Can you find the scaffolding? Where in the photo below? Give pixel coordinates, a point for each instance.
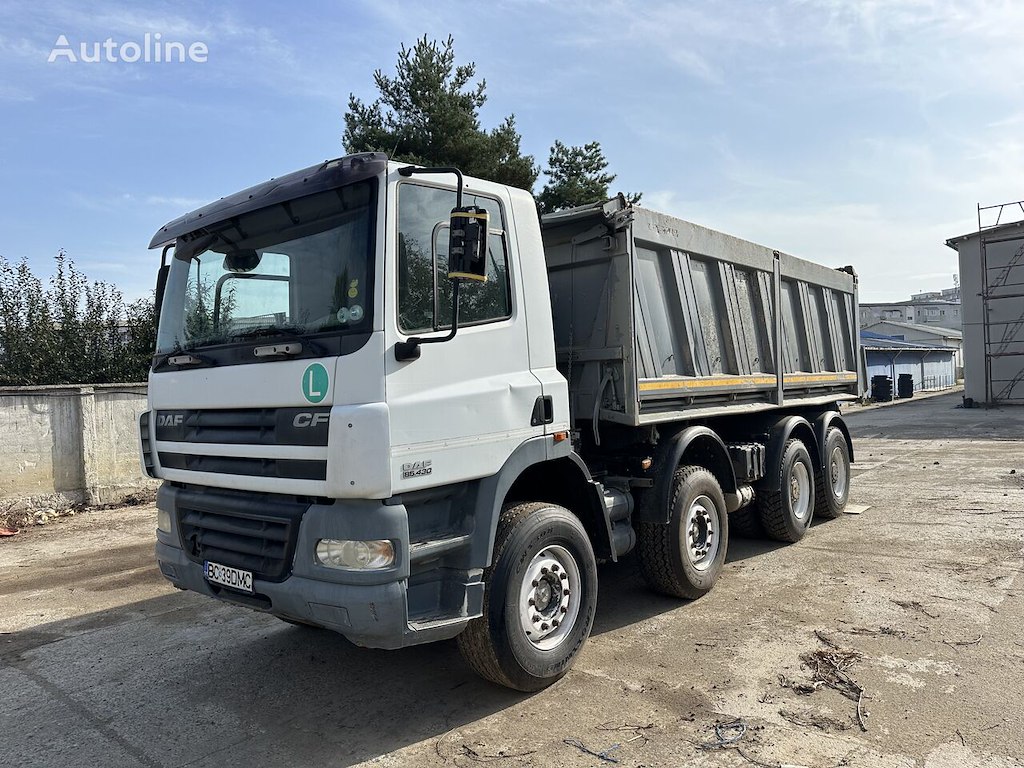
(1002, 282)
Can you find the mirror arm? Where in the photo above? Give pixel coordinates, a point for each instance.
(409, 170)
(410, 348)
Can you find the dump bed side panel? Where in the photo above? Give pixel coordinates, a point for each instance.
(712, 320)
(590, 278)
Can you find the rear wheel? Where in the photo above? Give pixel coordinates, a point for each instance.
(540, 600)
(832, 485)
(746, 522)
(685, 557)
(786, 511)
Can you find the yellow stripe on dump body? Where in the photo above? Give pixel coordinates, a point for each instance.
(661, 385)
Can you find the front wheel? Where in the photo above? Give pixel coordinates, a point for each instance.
(685, 557)
(540, 600)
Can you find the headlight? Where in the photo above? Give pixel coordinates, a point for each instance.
(163, 520)
(355, 555)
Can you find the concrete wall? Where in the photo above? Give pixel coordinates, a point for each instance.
(79, 443)
(1004, 319)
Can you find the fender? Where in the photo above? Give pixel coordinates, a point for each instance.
(671, 450)
(534, 453)
(778, 434)
(821, 426)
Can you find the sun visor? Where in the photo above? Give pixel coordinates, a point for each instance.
(318, 178)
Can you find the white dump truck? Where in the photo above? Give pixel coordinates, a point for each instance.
(393, 403)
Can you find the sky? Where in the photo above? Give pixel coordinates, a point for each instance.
(860, 132)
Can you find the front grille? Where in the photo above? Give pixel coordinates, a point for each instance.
(245, 426)
(193, 429)
(289, 469)
(254, 532)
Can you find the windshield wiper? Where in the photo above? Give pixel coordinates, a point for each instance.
(291, 333)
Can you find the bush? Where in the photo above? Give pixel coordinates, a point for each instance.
(72, 331)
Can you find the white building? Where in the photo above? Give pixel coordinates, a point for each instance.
(946, 294)
(992, 281)
(930, 366)
(935, 310)
(932, 335)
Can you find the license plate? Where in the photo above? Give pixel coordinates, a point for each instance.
(227, 576)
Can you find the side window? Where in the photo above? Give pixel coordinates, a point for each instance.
(424, 291)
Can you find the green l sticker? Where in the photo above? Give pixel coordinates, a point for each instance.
(315, 383)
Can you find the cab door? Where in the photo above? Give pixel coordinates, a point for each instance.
(460, 409)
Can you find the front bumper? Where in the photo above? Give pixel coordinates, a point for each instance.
(375, 609)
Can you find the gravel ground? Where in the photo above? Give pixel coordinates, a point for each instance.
(916, 602)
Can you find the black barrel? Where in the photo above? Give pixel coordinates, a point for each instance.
(905, 385)
(881, 388)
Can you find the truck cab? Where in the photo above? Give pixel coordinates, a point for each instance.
(309, 472)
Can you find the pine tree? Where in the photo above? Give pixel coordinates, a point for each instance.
(428, 114)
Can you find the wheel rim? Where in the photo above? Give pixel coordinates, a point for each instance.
(702, 533)
(549, 597)
(799, 490)
(837, 472)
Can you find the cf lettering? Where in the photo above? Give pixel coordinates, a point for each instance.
(302, 420)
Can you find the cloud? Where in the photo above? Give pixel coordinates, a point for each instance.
(180, 203)
(101, 203)
(886, 250)
(11, 92)
(22, 49)
(895, 247)
(109, 203)
(697, 66)
(846, 131)
(241, 54)
(925, 45)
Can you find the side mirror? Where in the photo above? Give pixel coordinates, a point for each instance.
(467, 252)
(242, 260)
(161, 286)
(467, 258)
(161, 280)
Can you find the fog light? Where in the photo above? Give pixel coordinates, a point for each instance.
(357, 555)
(163, 520)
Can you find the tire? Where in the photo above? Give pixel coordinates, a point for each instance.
(746, 523)
(832, 485)
(786, 511)
(685, 557)
(516, 643)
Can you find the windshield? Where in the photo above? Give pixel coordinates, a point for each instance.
(298, 268)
